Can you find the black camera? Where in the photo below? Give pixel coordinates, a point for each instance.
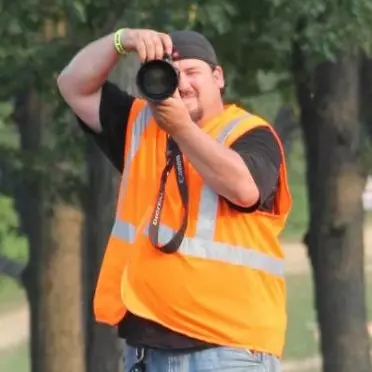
(157, 79)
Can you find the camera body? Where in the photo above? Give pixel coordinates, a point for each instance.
(157, 79)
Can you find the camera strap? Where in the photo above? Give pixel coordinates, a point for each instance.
(173, 159)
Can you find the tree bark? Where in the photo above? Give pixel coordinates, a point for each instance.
(62, 324)
(52, 277)
(29, 203)
(365, 102)
(330, 122)
(286, 126)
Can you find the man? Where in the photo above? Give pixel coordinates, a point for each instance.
(193, 271)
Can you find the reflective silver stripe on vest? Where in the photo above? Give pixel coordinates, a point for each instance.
(223, 252)
(124, 230)
(209, 199)
(139, 126)
(203, 244)
(120, 228)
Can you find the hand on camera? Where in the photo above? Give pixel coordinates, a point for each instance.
(148, 44)
(171, 114)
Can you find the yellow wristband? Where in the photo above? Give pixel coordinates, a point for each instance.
(117, 42)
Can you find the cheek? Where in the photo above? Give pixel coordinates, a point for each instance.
(195, 84)
(202, 86)
(206, 89)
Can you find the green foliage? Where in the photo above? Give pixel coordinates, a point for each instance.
(249, 35)
(40, 39)
(242, 48)
(258, 36)
(5, 112)
(11, 243)
(323, 28)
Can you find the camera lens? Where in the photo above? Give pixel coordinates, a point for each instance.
(157, 80)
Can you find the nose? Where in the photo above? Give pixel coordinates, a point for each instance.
(183, 83)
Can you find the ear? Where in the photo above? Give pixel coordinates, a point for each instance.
(218, 75)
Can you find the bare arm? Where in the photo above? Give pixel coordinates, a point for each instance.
(81, 81)
(222, 168)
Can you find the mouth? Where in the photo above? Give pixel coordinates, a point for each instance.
(187, 95)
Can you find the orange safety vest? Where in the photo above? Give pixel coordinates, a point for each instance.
(225, 285)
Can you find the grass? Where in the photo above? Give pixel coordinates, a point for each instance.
(301, 340)
(11, 294)
(15, 359)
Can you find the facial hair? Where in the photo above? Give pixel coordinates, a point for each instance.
(197, 113)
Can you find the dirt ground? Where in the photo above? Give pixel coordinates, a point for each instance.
(13, 327)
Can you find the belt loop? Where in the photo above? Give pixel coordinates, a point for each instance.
(140, 354)
(139, 365)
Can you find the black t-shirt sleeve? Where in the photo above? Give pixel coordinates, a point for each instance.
(114, 112)
(261, 153)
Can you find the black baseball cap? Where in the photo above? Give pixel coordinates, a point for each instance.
(189, 44)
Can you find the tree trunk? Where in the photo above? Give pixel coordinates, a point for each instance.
(62, 291)
(52, 277)
(104, 349)
(310, 128)
(29, 203)
(286, 126)
(365, 103)
(335, 239)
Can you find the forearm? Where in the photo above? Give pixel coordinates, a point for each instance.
(221, 168)
(89, 69)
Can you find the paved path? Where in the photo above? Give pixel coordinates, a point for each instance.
(14, 327)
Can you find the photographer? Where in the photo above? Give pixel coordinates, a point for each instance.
(193, 274)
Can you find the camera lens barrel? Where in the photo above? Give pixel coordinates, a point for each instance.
(157, 80)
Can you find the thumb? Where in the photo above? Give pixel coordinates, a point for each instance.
(176, 94)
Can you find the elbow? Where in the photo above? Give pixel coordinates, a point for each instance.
(67, 84)
(63, 83)
(247, 195)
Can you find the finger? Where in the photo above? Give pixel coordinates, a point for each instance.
(141, 50)
(150, 47)
(159, 48)
(167, 43)
(176, 94)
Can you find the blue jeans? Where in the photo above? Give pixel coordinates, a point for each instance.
(220, 359)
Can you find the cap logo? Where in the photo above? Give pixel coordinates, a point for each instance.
(175, 53)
